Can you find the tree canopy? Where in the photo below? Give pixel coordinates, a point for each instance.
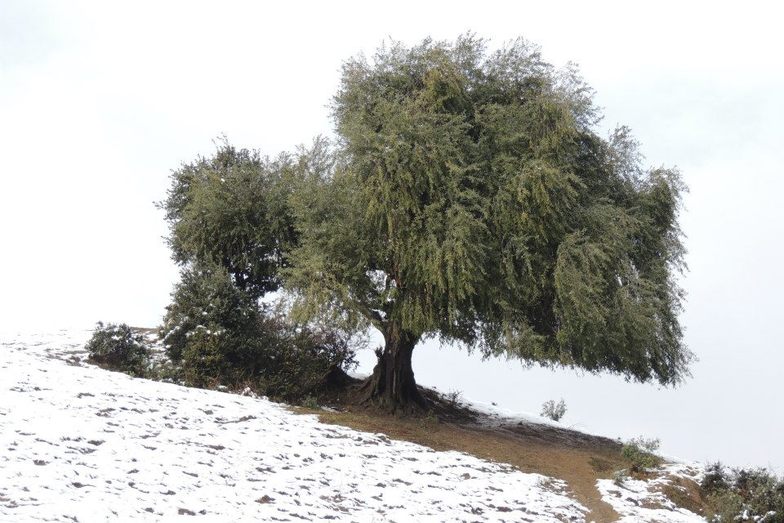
(467, 196)
(470, 197)
(231, 210)
(231, 230)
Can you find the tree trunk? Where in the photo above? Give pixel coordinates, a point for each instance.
(392, 386)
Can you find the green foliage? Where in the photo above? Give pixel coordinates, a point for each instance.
(303, 358)
(219, 335)
(469, 197)
(554, 411)
(640, 453)
(163, 369)
(231, 230)
(715, 479)
(117, 347)
(231, 210)
(204, 300)
(743, 495)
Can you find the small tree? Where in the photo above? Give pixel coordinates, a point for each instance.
(231, 210)
(470, 198)
(231, 230)
(211, 327)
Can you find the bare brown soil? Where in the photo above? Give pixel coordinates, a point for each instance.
(576, 458)
(687, 494)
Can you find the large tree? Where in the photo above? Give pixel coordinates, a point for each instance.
(470, 197)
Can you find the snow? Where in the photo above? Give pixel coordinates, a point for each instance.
(378, 279)
(82, 444)
(495, 416)
(637, 500)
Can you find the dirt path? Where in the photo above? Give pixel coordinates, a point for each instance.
(578, 459)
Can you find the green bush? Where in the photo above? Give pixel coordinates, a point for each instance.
(715, 479)
(163, 369)
(204, 359)
(219, 335)
(205, 300)
(743, 495)
(275, 358)
(640, 453)
(299, 359)
(117, 347)
(725, 506)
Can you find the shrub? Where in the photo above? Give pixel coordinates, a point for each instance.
(165, 370)
(743, 495)
(117, 347)
(640, 453)
(762, 492)
(554, 411)
(219, 334)
(204, 358)
(297, 360)
(715, 479)
(725, 506)
(454, 397)
(204, 300)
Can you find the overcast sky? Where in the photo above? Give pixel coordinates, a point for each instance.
(99, 101)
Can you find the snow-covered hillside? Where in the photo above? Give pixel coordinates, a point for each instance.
(78, 443)
(82, 444)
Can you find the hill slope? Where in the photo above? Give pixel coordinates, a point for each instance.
(83, 444)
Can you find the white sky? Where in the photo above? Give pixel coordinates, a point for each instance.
(98, 102)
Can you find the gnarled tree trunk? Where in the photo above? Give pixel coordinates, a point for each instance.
(392, 386)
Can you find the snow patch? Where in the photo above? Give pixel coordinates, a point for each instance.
(642, 500)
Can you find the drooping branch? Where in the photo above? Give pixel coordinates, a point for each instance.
(370, 314)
